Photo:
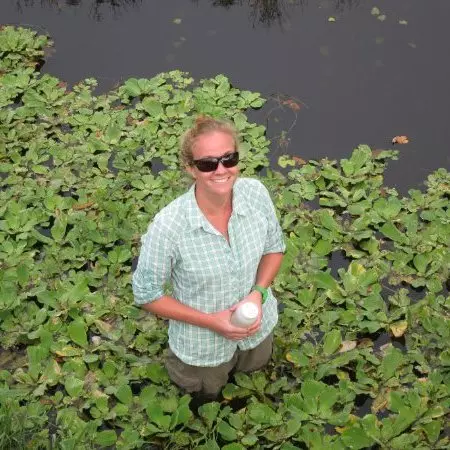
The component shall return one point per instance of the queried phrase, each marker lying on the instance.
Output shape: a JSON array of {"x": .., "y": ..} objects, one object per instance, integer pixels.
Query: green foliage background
[{"x": 81, "y": 367}]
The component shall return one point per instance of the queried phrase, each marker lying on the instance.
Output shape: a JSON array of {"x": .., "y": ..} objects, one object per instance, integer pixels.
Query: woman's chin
[{"x": 222, "y": 187}]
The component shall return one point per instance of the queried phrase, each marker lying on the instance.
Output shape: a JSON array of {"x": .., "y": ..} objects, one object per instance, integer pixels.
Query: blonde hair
[{"x": 204, "y": 125}]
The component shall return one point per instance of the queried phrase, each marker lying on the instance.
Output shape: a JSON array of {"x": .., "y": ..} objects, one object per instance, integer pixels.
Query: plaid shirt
[{"x": 207, "y": 272}]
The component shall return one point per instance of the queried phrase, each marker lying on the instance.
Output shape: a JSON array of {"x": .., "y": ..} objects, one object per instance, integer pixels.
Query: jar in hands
[{"x": 245, "y": 315}]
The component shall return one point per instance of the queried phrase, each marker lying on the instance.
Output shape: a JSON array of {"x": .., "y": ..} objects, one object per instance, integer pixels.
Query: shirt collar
[
  {"x": 241, "y": 205},
  {"x": 195, "y": 216}
]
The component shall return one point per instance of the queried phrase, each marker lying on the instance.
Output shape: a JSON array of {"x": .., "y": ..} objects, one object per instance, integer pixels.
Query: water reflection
[
  {"x": 263, "y": 11},
  {"x": 95, "y": 6},
  {"x": 268, "y": 12}
]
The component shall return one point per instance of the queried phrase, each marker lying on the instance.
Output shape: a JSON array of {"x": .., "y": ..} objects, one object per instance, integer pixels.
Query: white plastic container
[{"x": 245, "y": 315}]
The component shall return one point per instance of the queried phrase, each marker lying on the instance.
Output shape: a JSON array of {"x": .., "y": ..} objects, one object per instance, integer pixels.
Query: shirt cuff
[
  {"x": 279, "y": 248},
  {"x": 143, "y": 297}
]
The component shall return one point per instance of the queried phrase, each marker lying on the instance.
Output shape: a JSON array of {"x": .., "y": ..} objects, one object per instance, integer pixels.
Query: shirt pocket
[
  {"x": 204, "y": 261},
  {"x": 250, "y": 241}
]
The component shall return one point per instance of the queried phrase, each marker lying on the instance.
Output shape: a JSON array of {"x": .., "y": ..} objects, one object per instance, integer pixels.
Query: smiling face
[{"x": 220, "y": 181}]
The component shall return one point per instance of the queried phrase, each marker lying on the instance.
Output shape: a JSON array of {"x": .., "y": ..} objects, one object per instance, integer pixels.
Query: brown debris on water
[{"x": 400, "y": 140}]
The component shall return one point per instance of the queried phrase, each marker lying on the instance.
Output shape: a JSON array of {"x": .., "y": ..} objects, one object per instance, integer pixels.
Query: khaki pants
[{"x": 211, "y": 380}]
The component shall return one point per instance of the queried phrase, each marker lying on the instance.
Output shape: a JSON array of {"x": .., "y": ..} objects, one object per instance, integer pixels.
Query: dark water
[{"x": 357, "y": 80}]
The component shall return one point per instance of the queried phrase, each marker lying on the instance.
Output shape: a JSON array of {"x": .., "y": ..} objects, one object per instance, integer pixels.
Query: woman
[{"x": 219, "y": 244}]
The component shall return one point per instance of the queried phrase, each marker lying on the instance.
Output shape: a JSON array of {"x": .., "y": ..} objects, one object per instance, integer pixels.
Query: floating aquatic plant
[{"x": 361, "y": 351}]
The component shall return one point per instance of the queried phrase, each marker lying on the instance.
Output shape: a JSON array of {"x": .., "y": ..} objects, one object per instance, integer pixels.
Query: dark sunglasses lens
[
  {"x": 231, "y": 160},
  {"x": 209, "y": 165},
  {"x": 206, "y": 165}
]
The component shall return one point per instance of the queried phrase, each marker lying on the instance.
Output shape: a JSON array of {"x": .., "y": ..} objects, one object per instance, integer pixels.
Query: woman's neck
[{"x": 213, "y": 205}]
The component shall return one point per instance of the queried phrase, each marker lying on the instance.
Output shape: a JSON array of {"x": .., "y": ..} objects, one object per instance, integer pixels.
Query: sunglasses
[{"x": 211, "y": 164}]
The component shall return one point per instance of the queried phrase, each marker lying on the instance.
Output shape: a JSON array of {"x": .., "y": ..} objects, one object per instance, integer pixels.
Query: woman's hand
[
  {"x": 220, "y": 323},
  {"x": 254, "y": 297}
]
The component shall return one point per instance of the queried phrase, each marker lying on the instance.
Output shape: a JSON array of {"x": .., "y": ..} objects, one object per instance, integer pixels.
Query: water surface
[{"x": 356, "y": 78}]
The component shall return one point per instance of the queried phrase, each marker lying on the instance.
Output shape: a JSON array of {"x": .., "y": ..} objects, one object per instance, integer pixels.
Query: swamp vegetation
[{"x": 361, "y": 357}]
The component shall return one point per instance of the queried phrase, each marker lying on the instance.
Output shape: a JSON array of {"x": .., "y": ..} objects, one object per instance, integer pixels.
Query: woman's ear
[{"x": 190, "y": 170}]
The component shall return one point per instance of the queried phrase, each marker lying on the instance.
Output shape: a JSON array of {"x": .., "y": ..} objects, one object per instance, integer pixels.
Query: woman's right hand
[{"x": 220, "y": 323}]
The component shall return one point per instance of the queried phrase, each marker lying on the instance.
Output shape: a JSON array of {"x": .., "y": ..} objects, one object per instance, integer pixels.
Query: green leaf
[
  {"x": 226, "y": 431},
  {"x": 181, "y": 416},
  {"x": 348, "y": 167},
  {"x": 77, "y": 332},
  {"x": 249, "y": 440},
  {"x": 119, "y": 254},
  {"x": 209, "y": 445},
  {"x": 406, "y": 440},
  {"x": 391, "y": 231},
  {"x": 224, "y": 87},
  {"x": 59, "y": 229},
  {"x": 360, "y": 157},
  {"x": 356, "y": 438},
  {"x": 327, "y": 400},
  {"x": 90, "y": 358},
  {"x": 156, "y": 415},
  {"x": 432, "y": 430},
  {"x": 113, "y": 133},
  {"x": 22, "y": 274},
  {"x": 240, "y": 121},
  {"x": 73, "y": 386},
  {"x": 152, "y": 107},
  {"x": 124, "y": 394},
  {"x": 66, "y": 350},
  {"x": 292, "y": 252},
  {"x": 289, "y": 446},
  {"x": 244, "y": 380},
  {"x": 132, "y": 87},
  {"x": 388, "y": 208},
  {"x": 231, "y": 391},
  {"x": 37, "y": 354},
  {"x": 328, "y": 220},
  {"x": 130, "y": 437},
  {"x": 259, "y": 380},
  {"x": 322, "y": 247},
  {"x": 371, "y": 426},
  {"x": 147, "y": 395},
  {"x": 105, "y": 438},
  {"x": 421, "y": 261},
  {"x": 391, "y": 362},
  {"x": 285, "y": 161},
  {"x": 156, "y": 372},
  {"x": 332, "y": 342},
  {"x": 324, "y": 280},
  {"x": 297, "y": 357},
  {"x": 261, "y": 413},
  {"x": 306, "y": 296},
  {"x": 233, "y": 446},
  {"x": 445, "y": 358},
  {"x": 394, "y": 426}
]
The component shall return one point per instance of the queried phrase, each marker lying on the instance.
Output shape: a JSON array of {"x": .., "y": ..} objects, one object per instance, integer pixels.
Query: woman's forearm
[
  {"x": 268, "y": 268},
  {"x": 170, "y": 308}
]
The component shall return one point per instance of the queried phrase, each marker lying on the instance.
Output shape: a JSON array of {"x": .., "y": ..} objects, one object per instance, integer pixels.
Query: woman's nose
[{"x": 221, "y": 168}]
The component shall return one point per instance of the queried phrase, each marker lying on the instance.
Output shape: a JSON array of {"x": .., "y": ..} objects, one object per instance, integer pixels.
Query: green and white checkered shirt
[{"x": 207, "y": 272}]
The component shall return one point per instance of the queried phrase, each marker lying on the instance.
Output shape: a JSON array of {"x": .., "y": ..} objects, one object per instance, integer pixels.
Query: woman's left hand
[{"x": 254, "y": 297}]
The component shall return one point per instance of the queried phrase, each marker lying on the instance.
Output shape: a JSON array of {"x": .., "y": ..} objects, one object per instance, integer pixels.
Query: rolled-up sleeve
[
  {"x": 274, "y": 240},
  {"x": 155, "y": 263}
]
